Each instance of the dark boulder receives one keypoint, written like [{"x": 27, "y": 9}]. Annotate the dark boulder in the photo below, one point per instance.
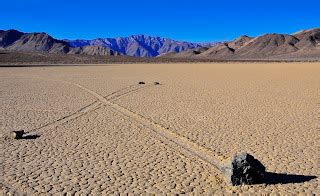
[{"x": 244, "y": 169}]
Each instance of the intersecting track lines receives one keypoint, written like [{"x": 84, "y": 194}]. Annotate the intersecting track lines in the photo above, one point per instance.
[
  {"x": 196, "y": 150},
  {"x": 175, "y": 140},
  {"x": 95, "y": 105}
]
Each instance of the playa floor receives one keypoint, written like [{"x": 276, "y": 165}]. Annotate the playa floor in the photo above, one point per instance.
[{"x": 94, "y": 129}]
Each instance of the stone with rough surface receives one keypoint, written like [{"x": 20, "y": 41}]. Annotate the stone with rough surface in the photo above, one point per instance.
[{"x": 244, "y": 169}]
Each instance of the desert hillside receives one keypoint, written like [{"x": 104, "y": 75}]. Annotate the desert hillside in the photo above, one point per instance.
[
  {"x": 304, "y": 45},
  {"x": 16, "y": 41}
]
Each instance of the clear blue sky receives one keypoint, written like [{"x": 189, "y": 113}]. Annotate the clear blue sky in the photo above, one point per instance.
[{"x": 190, "y": 20}]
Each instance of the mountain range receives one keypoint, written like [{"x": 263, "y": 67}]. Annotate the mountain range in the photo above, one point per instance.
[
  {"x": 136, "y": 45},
  {"x": 13, "y": 40},
  {"x": 304, "y": 45}
]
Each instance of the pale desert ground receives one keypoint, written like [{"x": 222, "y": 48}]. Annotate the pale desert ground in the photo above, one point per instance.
[{"x": 102, "y": 132}]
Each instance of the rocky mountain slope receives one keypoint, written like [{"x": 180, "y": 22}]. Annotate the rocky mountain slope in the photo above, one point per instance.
[
  {"x": 137, "y": 45},
  {"x": 13, "y": 40},
  {"x": 301, "y": 45}
]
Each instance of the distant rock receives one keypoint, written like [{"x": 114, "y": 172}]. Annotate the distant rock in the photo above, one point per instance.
[{"x": 17, "y": 134}]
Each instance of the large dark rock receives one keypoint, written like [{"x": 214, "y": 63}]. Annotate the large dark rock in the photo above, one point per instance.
[{"x": 244, "y": 169}]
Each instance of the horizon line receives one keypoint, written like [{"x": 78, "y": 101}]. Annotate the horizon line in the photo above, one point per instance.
[{"x": 156, "y": 36}]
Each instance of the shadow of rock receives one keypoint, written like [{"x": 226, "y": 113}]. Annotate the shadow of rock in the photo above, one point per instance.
[
  {"x": 244, "y": 169},
  {"x": 276, "y": 178},
  {"x": 29, "y": 137}
]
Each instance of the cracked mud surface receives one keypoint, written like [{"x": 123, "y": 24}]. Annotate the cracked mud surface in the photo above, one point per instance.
[{"x": 87, "y": 145}]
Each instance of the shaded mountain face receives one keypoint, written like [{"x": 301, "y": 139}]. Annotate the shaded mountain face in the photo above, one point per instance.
[
  {"x": 309, "y": 39},
  {"x": 239, "y": 42},
  {"x": 93, "y": 50},
  {"x": 13, "y": 40},
  {"x": 137, "y": 45},
  {"x": 40, "y": 42},
  {"x": 220, "y": 51},
  {"x": 301, "y": 45},
  {"x": 8, "y": 37},
  {"x": 267, "y": 45}
]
